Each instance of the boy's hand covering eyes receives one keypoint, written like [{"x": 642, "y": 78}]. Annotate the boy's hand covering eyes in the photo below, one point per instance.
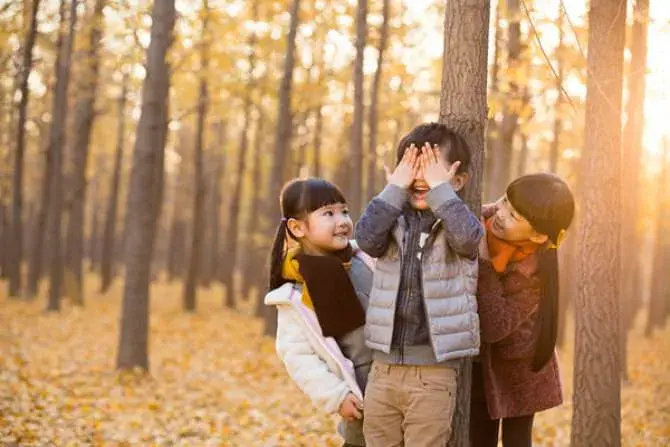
[
  {"x": 406, "y": 171},
  {"x": 434, "y": 171}
]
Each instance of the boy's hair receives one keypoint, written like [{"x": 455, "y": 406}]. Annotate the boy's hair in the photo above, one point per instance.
[
  {"x": 298, "y": 198},
  {"x": 453, "y": 146}
]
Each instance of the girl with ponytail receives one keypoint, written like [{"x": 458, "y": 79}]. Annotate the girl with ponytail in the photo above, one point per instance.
[
  {"x": 517, "y": 372},
  {"x": 320, "y": 283}
]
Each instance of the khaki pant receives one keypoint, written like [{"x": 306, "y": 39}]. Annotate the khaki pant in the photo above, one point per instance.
[{"x": 409, "y": 405}]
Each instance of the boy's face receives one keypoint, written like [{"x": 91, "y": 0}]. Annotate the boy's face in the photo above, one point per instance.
[{"x": 419, "y": 189}]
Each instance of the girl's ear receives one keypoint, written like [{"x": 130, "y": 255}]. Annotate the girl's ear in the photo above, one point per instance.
[
  {"x": 296, "y": 227},
  {"x": 539, "y": 238}
]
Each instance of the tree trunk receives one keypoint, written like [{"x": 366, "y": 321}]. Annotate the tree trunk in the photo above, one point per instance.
[
  {"x": 355, "y": 197},
  {"x": 463, "y": 108},
  {"x": 37, "y": 249},
  {"x": 373, "y": 120},
  {"x": 232, "y": 235},
  {"x": 661, "y": 255},
  {"x": 254, "y": 258},
  {"x": 282, "y": 139},
  {"x": 554, "y": 151},
  {"x": 56, "y": 139},
  {"x": 318, "y": 139},
  {"x": 108, "y": 243},
  {"x": 597, "y": 400},
  {"x": 492, "y": 125},
  {"x": 568, "y": 259},
  {"x": 15, "y": 257},
  {"x": 632, "y": 153},
  {"x": 504, "y": 143},
  {"x": 93, "y": 248},
  {"x": 145, "y": 194},
  {"x": 176, "y": 243},
  {"x": 84, "y": 116},
  {"x": 199, "y": 178},
  {"x": 212, "y": 249}
]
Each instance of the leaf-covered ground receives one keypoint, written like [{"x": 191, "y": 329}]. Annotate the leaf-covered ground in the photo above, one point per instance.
[{"x": 214, "y": 381}]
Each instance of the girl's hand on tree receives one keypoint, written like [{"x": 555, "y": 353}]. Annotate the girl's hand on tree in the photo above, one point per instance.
[
  {"x": 351, "y": 408},
  {"x": 406, "y": 171},
  {"x": 435, "y": 171},
  {"x": 484, "y": 247}
]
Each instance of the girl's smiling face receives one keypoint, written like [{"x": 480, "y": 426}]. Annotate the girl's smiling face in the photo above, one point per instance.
[
  {"x": 325, "y": 230},
  {"x": 511, "y": 226}
]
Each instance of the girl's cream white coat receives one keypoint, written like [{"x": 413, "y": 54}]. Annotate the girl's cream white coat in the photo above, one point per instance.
[{"x": 314, "y": 362}]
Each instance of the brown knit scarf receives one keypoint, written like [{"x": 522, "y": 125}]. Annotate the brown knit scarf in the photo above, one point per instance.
[
  {"x": 503, "y": 252},
  {"x": 335, "y": 301}
]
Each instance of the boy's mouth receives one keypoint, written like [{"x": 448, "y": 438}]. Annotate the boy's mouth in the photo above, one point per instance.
[{"x": 419, "y": 192}]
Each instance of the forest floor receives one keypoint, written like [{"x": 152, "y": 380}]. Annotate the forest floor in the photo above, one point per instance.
[{"x": 215, "y": 381}]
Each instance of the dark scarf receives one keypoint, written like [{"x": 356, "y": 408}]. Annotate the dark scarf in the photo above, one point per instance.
[{"x": 333, "y": 296}]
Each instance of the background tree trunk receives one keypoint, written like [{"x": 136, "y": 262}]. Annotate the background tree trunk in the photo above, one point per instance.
[
  {"x": 197, "y": 228},
  {"x": 373, "y": 120},
  {"x": 356, "y": 164},
  {"x": 555, "y": 149},
  {"x": 108, "y": 243},
  {"x": 144, "y": 194},
  {"x": 492, "y": 125},
  {"x": 597, "y": 401},
  {"x": 211, "y": 266},
  {"x": 632, "y": 154},
  {"x": 282, "y": 140},
  {"x": 37, "y": 246},
  {"x": 504, "y": 142},
  {"x": 232, "y": 236},
  {"x": 463, "y": 108},
  {"x": 15, "y": 258},
  {"x": 84, "y": 116},
  {"x": 56, "y": 140}
]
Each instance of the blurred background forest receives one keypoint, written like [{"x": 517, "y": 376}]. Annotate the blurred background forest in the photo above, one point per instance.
[{"x": 255, "y": 92}]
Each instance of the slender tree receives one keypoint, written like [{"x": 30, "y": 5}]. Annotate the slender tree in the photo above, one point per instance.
[
  {"x": 373, "y": 120},
  {"x": 56, "y": 140},
  {"x": 236, "y": 199},
  {"x": 84, "y": 117},
  {"x": 355, "y": 196},
  {"x": 145, "y": 194},
  {"x": 554, "y": 151},
  {"x": 15, "y": 258},
  {"x": 597, "y": 401},
  {"x": 282, "y": 138},
  {"x": 632, "y": 151},
  {"x": 463, "y": 108},
  {"x": 197, "y": 228},
  {"x": 108, "y": 243},
  {"x": 39, "y": 229}
]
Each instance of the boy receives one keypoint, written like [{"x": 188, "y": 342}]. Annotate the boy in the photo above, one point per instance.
[{"x": 422, "y": 313}]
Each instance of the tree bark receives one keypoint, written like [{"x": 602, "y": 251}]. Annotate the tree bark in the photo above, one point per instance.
[
  {"x": 108, "y": 243},
  {"x": 373, "y": 120},
  {"x": 282, "y": 139},
  {"x": 145, "y": 194},
  {"x": 597, "y": 400},
  {"x": 492, "y": 125},
  {"x": 84, "y": 116},
  {"x": 463, "y": 108},
  {"x": 632, "y": 152},
  {"x": 356, "y": 164},
  {"x": 15, "y": 257},
  {"x": 504, "y": 143},
  {"x": 232, "y": 235},
  {"x": 37, "y": 249},
  {"x": 211, "y": 266},
  {"x": 190, "y": 286},
  {"x": 56, "y": 139},
  {"x": 661, "y": 256}
]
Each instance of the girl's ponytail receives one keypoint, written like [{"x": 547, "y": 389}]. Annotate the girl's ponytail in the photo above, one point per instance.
[
  {"x": 546, "y": 328},
  {"x": 277, "y": 256}
]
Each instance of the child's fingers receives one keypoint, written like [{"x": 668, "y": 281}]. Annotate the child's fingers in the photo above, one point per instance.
[
  {"x": 388, "y": 172},
  {"x": 454, "y": 168},
  {"x": 436, "y": 152},
  {"x": 357, "y": 414}
]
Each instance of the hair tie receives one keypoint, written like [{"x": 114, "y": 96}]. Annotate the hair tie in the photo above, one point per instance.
[
  {"x": 559, "y": 240},
  {"x": 283, "y": 219}
]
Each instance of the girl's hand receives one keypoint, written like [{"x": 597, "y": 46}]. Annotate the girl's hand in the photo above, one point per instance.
[
  {"x": 351, "y": 408},
  {"x": 406, "y": 171},
  {"x": 434, "y": 170}
]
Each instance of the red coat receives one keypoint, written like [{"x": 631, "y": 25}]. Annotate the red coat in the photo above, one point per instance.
[{"x": 508, "y": 304}]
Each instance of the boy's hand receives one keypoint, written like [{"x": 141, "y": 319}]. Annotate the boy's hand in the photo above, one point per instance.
[
  {"x": 406, "y": 171},
  {"x": 434, "y": 171},
  {"x": 351, "y": 408}
]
